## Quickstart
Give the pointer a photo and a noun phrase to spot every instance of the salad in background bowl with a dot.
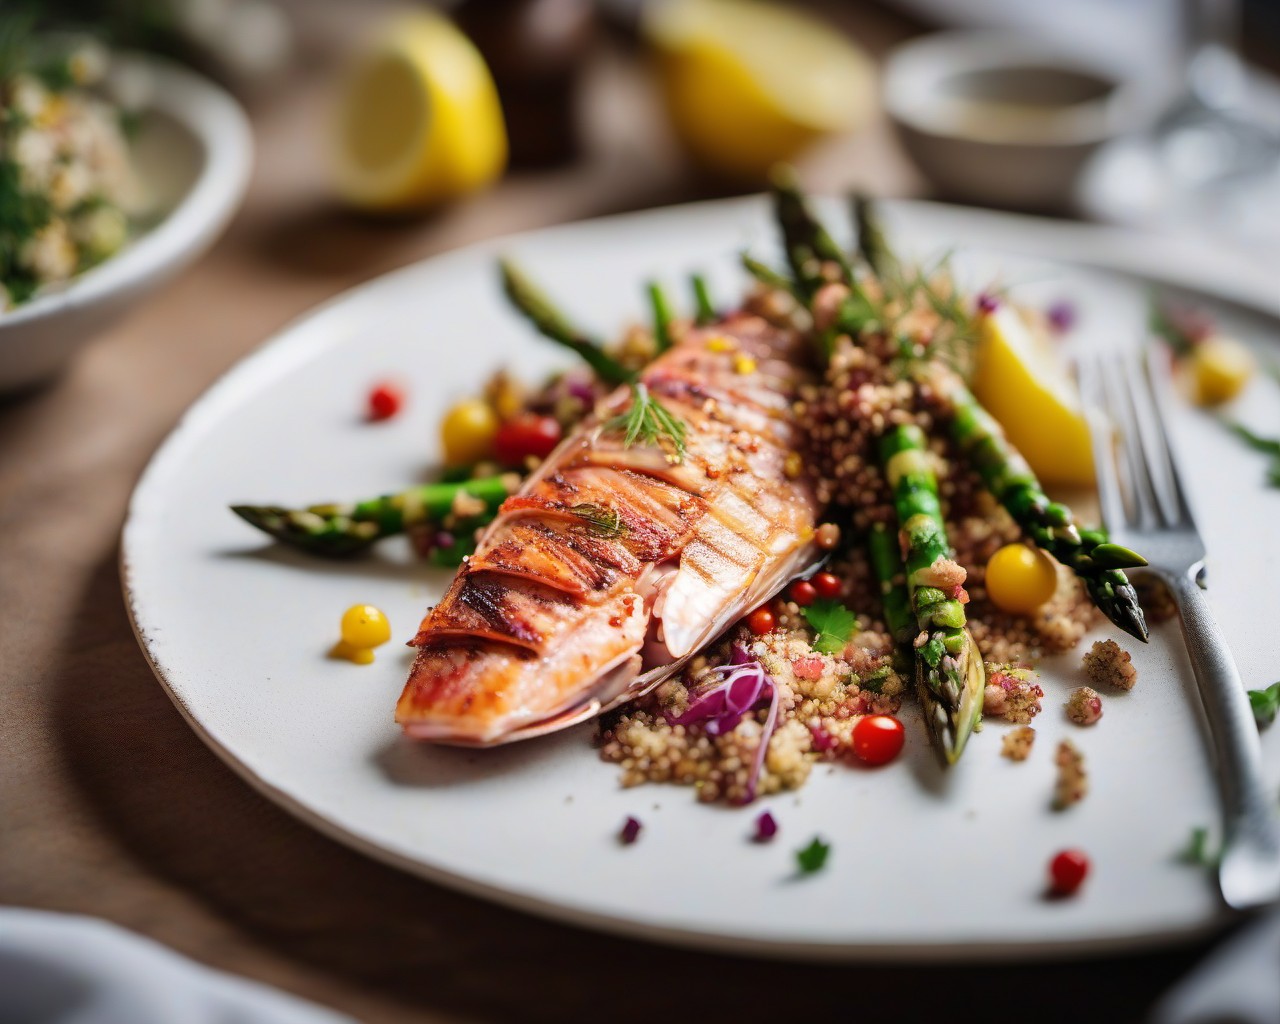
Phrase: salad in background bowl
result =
(116, 171)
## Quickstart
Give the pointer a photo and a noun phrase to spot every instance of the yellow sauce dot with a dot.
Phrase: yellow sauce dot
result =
(364, 627)
(744, 365)
(719, 343)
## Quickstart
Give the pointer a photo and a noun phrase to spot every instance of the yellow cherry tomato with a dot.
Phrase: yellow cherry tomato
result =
(467, 432)
(365, 626)
(1020, 579)
(1220, 368)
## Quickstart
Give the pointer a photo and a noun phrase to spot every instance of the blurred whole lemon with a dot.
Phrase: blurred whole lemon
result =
(749, 83)
(419, 120)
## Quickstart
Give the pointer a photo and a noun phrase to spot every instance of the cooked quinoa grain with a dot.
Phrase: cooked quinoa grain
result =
(1108, 664)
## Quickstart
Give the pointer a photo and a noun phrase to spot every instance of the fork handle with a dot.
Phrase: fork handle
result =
(1250, 870)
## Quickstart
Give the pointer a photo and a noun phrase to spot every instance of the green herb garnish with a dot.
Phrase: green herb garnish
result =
(605, 521)
(649, 422)
(1265, 704)
(813, 857)
(832, 623)
(1266, 445)
(1197, 850)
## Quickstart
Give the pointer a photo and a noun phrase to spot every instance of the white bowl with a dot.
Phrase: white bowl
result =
(1009, 120)
(194, 152)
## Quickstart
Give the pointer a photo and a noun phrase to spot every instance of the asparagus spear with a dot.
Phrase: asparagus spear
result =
(807, 241)
(339, 529)
(551, 323)
(662, 316)
(950, 677)
(872, 244)
(769, 277)
(886, 563)
(1050, 524)
(702, 300)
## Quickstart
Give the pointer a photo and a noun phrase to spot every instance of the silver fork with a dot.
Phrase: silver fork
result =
(1156, 521)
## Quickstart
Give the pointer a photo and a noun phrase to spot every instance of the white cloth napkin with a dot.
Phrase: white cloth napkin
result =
(66, 969)
(1238, 982)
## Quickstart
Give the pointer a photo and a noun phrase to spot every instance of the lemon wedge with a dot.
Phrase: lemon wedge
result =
(419, 119)
(748, 84)
(1022, 383)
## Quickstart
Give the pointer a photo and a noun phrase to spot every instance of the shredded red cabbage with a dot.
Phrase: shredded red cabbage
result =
(722, 706)
(630, 831)
(766, 828)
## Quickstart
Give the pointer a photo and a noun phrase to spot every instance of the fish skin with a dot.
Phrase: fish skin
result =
(553, 618)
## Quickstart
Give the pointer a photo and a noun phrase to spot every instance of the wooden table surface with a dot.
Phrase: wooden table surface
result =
(110, 805)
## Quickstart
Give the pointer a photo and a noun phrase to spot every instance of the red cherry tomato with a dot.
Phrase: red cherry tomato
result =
(761, 621)
(527, 434)
(827, 584)
(803, 593)
(1067, 870)
(878, 739)
(385, 401)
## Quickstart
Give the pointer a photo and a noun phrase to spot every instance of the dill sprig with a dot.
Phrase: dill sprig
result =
(605, 521)
(649, 422)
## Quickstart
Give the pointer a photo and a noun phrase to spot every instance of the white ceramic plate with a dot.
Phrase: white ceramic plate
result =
(193, 153)
(922, 863)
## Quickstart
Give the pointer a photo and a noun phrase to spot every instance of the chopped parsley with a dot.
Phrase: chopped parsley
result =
(832, 624)
(1265, 704)
(813, 857)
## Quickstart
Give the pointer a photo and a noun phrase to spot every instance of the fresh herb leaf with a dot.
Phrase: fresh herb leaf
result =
(832, 622)
(1265, 704)
(605, 521)
(1197, 849)
(813, 857)
(1257, 442)
(875, 681)
(649, 422)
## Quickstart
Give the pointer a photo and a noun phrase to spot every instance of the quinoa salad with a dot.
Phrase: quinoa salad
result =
(69, 197)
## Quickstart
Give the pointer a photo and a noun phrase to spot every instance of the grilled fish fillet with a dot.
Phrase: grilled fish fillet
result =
(614, 564)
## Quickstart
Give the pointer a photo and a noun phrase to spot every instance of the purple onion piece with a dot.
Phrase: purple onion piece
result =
(630, 831)
(766, 828)
(1061, 316)
(988, 303)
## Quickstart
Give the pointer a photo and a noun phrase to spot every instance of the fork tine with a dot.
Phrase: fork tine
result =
(1181, 508)
(1152, 440)
(1147, 514)
(1102, 439)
